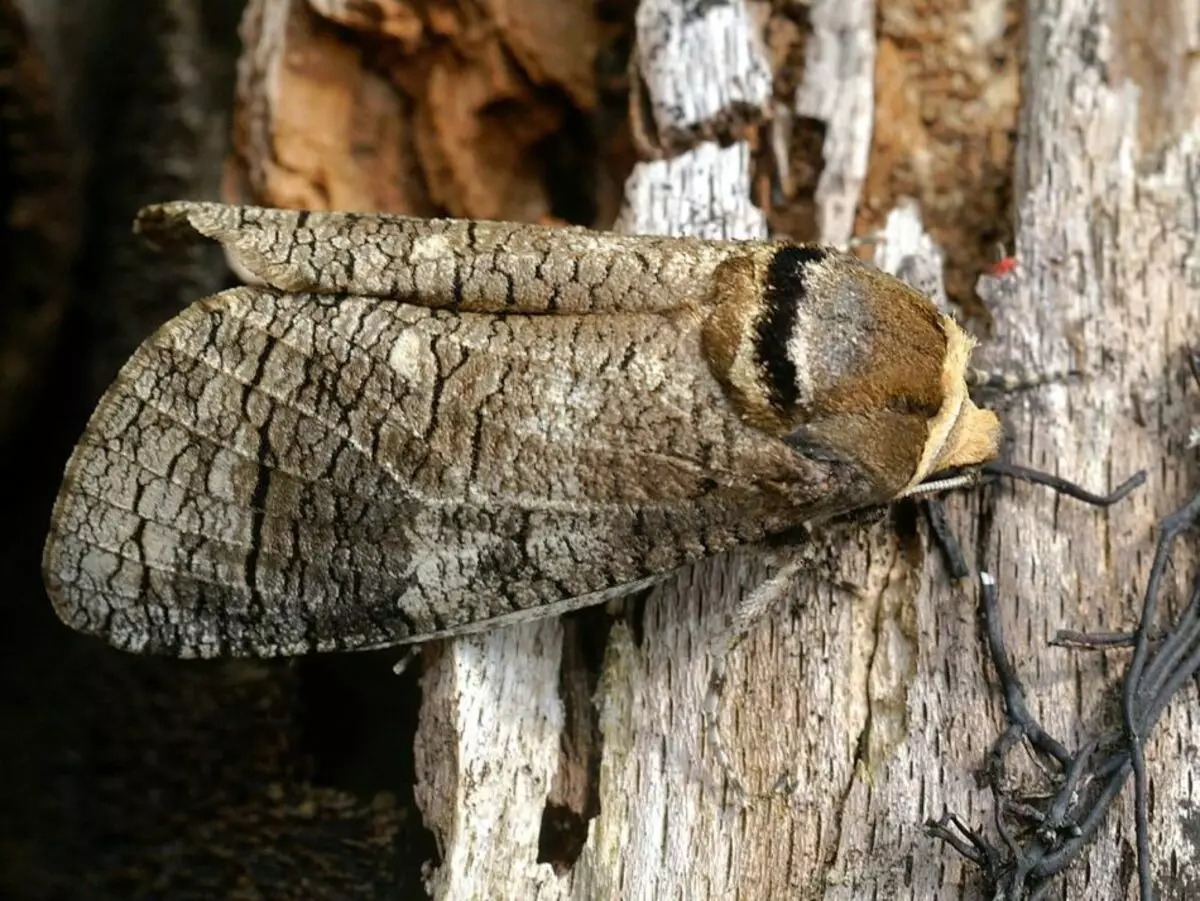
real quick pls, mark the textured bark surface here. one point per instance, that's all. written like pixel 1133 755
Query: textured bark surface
pixel 838 91
pixel 947 97
pixel 727 85
pixel 1107 195
pixel 422 107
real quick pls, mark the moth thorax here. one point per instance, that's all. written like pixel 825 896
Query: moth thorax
pixel 845 362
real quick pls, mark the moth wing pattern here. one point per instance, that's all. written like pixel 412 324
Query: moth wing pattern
pixel 418 428
pixel 278 473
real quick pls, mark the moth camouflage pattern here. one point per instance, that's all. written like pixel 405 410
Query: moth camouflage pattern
pixel 415 429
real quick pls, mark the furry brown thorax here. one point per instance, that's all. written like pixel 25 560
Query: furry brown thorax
pixel 843 361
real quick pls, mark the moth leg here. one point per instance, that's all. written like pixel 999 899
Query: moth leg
pixel 641 121
pixel 410 654
pixel 752 608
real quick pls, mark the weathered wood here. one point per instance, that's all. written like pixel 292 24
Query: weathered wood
pixel 839 90
pixel 1107 193
pixel 422 108
pixel 703 67
pixel 362 157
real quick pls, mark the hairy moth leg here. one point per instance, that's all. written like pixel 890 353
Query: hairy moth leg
pixel 750 611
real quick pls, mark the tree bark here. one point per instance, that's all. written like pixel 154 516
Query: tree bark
pixel 1107 211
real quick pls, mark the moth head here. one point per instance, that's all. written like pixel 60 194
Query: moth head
pixel 847 365
pixel 960 434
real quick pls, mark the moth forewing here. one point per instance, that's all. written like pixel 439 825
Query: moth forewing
pixel 464 265
pixel 276 471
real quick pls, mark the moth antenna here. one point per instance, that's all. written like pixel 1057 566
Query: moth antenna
pixel 1008 381
pixel 966 480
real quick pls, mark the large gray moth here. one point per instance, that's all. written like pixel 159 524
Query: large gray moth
pixel 416 428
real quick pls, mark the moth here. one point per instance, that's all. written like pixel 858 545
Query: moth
pixel 412 429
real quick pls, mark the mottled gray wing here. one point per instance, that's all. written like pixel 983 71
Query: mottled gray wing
pixel 460 264
pixel 277 473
